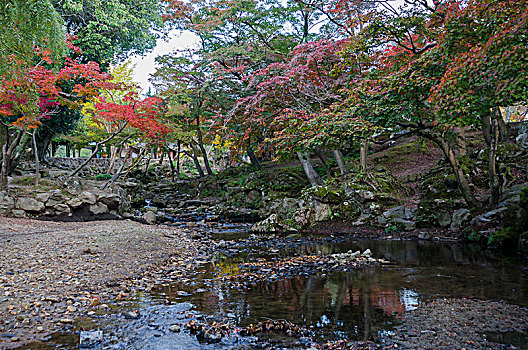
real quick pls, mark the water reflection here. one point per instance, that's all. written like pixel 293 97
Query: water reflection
pixel 367 303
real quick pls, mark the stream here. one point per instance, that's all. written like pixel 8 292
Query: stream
pixel 358 304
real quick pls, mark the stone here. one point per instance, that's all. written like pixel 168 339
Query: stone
pixel 55 197
pixel 405 225
pixel 7 203
pixel 174 328
pixel 522 140
pixel 30 204
pixel 66 320
pixel 267 225
pixel 98 209
pixel 131 315
pixel 150 217
pixel 426 236
pixel 75 203
pixel 88 197
pixel 111 200
pixel 367 253
pixel 18 213
pixel 71 308
pixel 62 209
pixel 399 212
pixel 444 219
pixel 42 197
pixel 90 339
pixel 460 218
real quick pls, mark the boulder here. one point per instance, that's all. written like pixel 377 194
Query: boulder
pixel 55 197
pixel 98 209
pixel 88 197
pixel 399 212
pixel 42 197
pixel 111 200
pixel 75 203
pixel 30 204
pixel 444 219
pixel 460 218
pixel 150 217
pixel 62 209
pixel 7 203
pixel 403 224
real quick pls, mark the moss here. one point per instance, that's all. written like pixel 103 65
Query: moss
pixel 506 237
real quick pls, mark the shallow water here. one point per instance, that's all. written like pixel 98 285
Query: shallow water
pixel 360 304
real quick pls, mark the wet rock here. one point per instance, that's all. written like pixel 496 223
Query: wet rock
pixel 150 217
pixel 367 253
pixel 30 204
pixel 89 339
pixel 131 315
pixel 459 219
pixel 98 208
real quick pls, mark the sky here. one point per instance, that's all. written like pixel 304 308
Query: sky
pixel 145 65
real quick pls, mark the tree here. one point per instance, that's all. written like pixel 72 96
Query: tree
pixel 30 93
pixel 110 31
pixel 29 23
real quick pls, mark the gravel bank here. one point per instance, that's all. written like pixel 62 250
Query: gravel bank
pixel 52 272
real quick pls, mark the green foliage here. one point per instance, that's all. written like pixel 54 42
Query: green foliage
pixel 103 177
pixel 111 30
pixel 29 23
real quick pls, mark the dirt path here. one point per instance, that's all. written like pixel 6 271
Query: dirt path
pixel 51 272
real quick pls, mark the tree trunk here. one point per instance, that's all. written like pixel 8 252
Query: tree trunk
pixel 171 163
pixel 309 170
pixel 202 148
pixel 254 160
pixel 196 161
pixel 494 182
pixel 462 141
pixel 148 164
pixel 178 160
pixel 43 138
pixel 486 128
pixel 113 152
pixel 36 153
pixel 19 152
pixel 7 150
pixel 96 149
pixel 118 172
pixel 320 153
pixel 340 161
pixel 363 149
pixel 462 182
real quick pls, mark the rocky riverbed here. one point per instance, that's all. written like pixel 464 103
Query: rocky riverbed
pixel 54 274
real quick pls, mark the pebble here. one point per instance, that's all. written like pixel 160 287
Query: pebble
pixel 175 328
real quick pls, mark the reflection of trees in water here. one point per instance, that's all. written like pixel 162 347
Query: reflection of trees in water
pixel 362 302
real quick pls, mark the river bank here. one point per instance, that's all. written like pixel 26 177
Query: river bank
pixel 53 272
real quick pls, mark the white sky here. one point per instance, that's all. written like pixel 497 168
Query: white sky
pixel 145 65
